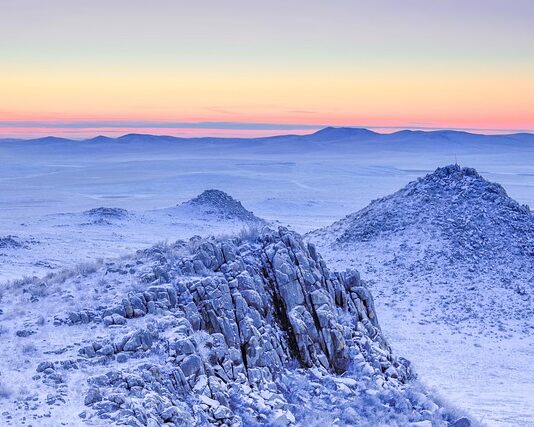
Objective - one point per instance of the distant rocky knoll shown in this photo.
(222, 205)
(10, 241)
(105, 215)
(109, 213)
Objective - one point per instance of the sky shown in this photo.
(78, 68)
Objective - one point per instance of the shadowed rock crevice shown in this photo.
(280, 315)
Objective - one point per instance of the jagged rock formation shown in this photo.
(450, 227)
(221, 205)
(233, 333)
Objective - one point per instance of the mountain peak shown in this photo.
(454, 171)
(99, 139)
(456, 179)
(331, 132)
(453, 203)
(49, 139)
(213, 197)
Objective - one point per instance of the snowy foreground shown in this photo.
(249, 331)
(446, 258)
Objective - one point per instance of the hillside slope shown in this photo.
(450, 260)
(52, 242)
(462, 233)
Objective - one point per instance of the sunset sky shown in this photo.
(257, 67)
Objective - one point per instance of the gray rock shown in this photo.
(222, 412)
(191, 365)
(92, 396)
(45, 365)
(462, 422)
(138, 340)
(184, 346)
(115, 319)
(107, 350)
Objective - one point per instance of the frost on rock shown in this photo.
(222, 205)
(231, 333)
(15, 242)
(9, 242)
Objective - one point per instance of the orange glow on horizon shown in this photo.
(407, 65)
(365, 99)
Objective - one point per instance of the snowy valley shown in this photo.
(155, 280)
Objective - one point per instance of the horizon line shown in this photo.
(59, 129)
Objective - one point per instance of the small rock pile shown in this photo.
(103, 213)
(105, 216)
(10, 242)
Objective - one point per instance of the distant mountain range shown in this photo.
(323, 135)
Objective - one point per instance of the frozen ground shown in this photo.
(305, 182)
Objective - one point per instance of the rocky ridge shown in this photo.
(237, 332)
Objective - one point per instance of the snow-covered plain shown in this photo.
(304, 182)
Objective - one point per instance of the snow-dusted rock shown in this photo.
(222, 205)
(237, 332)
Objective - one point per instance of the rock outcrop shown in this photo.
(16, 242)
(220, 204)
(10, 242)
(110, 213)
(240, 332)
